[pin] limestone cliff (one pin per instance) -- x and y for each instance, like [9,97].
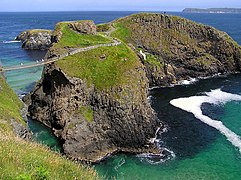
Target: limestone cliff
[37,39]
[177,48]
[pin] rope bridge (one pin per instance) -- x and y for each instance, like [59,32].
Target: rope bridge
[54,59]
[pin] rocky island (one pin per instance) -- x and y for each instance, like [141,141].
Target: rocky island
[94,97]
[212,10]
[37,39]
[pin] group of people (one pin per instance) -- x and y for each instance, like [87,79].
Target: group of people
[37,61]
[42,60]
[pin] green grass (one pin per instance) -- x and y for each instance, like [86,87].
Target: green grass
[21,159]
[122,31]
[103,27]
[87,112]
[130,32]
[154,60]
[72,39]
[103,73]
[9,106]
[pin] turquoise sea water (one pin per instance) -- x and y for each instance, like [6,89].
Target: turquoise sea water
[200,151]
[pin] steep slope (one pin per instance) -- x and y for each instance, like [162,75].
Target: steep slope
[177,48]
[20,159]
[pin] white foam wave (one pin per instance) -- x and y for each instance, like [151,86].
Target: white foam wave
[188,82]
[153,140]
[193,105]
[151,158]
[120,163]
[149,99]
[8,42]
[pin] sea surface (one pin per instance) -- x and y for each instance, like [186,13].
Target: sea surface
[202,117]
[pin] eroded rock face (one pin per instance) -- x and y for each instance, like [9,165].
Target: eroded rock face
[182,48]
[119,119]
[35,39]
[84,27]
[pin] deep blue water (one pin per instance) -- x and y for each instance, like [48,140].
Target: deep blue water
[201,152]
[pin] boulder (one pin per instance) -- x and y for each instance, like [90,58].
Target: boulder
[36,39]
[84,27]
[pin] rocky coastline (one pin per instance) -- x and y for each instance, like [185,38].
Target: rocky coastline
[95,122]
[179,49]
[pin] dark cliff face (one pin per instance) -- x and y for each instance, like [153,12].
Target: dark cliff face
[36,39]
[177,48]
[94,123]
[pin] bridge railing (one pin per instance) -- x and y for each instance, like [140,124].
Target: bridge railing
[51,60]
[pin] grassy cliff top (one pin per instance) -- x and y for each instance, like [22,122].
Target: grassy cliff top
[165,38]
[128,27]
[72,39]
[21,159]
[104,67]
[175,39]
[166,24]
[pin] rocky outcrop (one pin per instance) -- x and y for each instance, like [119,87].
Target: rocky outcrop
[84,27]
[178,48]
[94,123]
[20,129]
[37,39]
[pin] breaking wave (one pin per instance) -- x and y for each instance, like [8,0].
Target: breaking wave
[188,82]
[151,158]
[193,105]
[9,42]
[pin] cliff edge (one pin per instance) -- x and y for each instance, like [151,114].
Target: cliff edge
[176,48]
